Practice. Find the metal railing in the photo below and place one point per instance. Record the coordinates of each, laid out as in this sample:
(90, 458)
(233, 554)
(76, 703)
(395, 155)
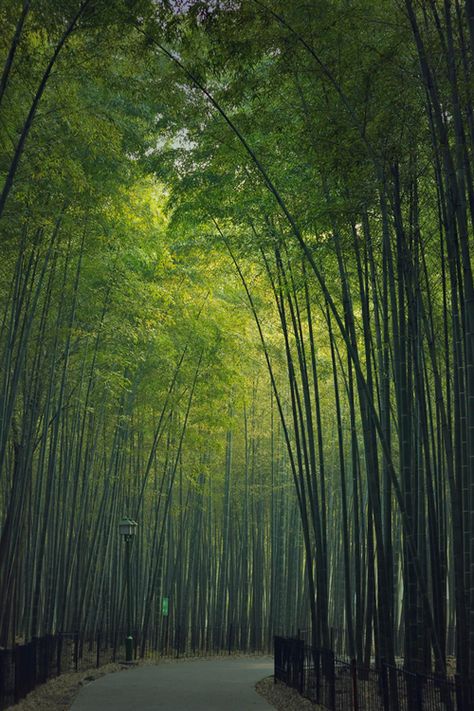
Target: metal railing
(342, 685)
(25, 666)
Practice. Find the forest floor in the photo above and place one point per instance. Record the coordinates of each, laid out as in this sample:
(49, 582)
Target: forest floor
(283, 697)
(59, 693)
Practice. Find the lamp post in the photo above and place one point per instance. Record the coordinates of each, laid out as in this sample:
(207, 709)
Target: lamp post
(128, 529)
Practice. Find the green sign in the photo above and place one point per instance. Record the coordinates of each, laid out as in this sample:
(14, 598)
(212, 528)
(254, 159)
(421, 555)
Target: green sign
(165, 606)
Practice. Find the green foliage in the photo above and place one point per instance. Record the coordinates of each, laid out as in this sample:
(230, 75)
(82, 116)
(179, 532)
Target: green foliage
(202, 198)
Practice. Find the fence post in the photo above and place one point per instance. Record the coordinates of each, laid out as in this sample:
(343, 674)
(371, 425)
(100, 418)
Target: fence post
(76, 650)
(301, 663)
(230, 638)
(97, 660)
(419, 691)
(463, 693)
(50, 654)
(331, 676)
(316, 654)
(59, 649)
(355, 695)
(2, 677)
(275, 655)
(136, 640)
(384, 685)
(16, 665)
(459, 694)
(36, 649)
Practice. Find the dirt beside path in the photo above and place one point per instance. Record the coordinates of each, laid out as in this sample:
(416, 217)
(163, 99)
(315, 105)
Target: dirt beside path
(284, 698)
(59, 693)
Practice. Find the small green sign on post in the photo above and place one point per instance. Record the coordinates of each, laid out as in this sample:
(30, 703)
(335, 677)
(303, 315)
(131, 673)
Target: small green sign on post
(165, 606)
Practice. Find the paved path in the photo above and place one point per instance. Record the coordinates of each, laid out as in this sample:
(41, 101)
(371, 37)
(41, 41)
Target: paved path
(195, 685)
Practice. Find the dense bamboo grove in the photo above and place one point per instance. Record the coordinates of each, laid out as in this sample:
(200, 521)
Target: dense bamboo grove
(237, 304)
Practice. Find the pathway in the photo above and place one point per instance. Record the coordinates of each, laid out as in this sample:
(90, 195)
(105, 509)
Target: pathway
(222, 684)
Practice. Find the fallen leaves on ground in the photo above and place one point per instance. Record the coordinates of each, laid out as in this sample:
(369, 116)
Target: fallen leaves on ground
(283, 697)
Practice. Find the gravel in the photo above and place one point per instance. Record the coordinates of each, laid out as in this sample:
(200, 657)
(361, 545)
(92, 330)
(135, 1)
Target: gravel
(282, 697)
(58, 694)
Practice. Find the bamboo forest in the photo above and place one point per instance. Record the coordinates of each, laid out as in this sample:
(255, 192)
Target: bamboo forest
(237, 314)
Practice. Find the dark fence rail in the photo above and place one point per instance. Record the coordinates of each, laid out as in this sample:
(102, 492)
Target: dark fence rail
(341, 685)
(27, 665)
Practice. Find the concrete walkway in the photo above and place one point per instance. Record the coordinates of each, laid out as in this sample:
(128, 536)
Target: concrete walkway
(222, 684)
